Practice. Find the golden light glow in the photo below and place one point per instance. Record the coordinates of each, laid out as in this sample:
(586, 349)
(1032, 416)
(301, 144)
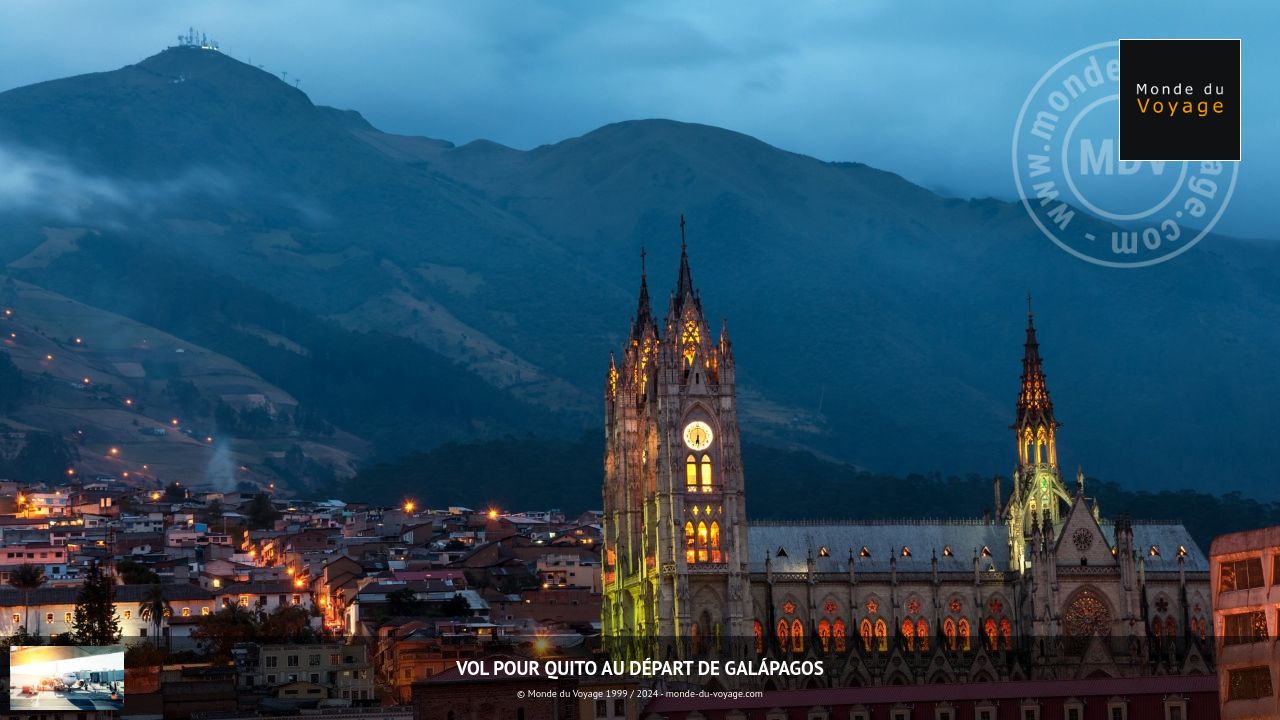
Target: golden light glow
(85, 380)
(541, 645)
(128, 401)
(217, 583)
(290, 571)
(299, 582)
(155, 496)
(174, 422)
(493, 513)
(409, 506)
(115, 451)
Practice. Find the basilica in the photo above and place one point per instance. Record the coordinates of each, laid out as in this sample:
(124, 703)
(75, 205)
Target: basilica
(1048, 587)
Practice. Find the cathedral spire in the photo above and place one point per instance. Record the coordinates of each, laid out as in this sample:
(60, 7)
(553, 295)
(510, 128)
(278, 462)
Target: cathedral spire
(684, 295)
(1034, 405)
(644, 312)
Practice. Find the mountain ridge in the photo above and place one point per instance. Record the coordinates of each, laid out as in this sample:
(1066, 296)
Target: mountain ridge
(875, 321)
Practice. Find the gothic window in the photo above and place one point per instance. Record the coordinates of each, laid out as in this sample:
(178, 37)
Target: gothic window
(797, 636)
(691, 473)
(949, 631)
(788, 608)
(882, 635)
(965, 644)
(1171, 628)
(706, 473)
(922, 635)
(909, 634)
(702, 542)
(1087, 615)
(837, 630)
(695, 641)
(864, 631)
(824, 635)
(784, 633)
(830, 607)
(690, 340)
(913, 606)
(759, 633)
(1006, 633)
(689, 539)
(956, 605)
(991, 633)
(715, 542)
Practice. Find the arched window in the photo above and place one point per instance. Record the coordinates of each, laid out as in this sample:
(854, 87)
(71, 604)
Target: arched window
(797, 636)
(1170, 628)
(1157, 628)
(784, 633)
(882, 635)
(949, 631)
(759, 632)
(689, 550)
(864, 631)
(824, 635)
(909, 634)
(991, 633)
(691, 473)
(837, 629)
(965, 644)
(706, 473)
(922, 635)
(702, 542)
(1006, 632)
(715, 542)
(695, 642)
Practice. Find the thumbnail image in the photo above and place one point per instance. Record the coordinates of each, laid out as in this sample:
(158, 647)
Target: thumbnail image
(66, 678)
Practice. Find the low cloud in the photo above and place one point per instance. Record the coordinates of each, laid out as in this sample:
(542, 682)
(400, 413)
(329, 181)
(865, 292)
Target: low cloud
(35, 182)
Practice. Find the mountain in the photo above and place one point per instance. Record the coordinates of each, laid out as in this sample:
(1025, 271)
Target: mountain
(875, 322)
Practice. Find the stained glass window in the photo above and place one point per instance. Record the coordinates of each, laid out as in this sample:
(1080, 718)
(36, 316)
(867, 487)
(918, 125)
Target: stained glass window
(706, 473)
(784, 633)
(759, 633)
(864, 631)
(691, 473)
(715, 542)
(965, 643)
(830, 607)
(797, 636)
(882, 635)
(837, 629)
(824, 635)
(949, 631)
(909, 635)
(991, 633)
(689, 538)
(1006, 632)
(922, 635)
(702, 542)
(1087, 615)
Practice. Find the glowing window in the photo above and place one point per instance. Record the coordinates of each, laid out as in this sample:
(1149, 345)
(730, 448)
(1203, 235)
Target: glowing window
(882, 635)
(759, 632)
(1006, 632)
(186, 612)
(909, 634)
(706, 473)
(991, 633)
(837, 629)
(784, 633)
(691, 473)
(964, 635)
(715, 542)
(922, 635)
(864, 552)
(824, 635)
(949, 630)
(797, 636)
(702, 542)
(689, 550)
(864, 631)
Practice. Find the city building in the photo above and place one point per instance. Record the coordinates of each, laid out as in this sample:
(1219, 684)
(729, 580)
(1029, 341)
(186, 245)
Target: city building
(1245, 575)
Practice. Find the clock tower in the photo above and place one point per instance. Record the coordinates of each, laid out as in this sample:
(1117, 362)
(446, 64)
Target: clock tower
(675, 564)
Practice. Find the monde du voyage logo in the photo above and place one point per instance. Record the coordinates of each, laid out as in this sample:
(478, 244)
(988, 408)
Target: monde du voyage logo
(1125, 153)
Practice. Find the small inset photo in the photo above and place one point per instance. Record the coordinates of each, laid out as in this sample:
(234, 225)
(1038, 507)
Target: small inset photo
(79, 678)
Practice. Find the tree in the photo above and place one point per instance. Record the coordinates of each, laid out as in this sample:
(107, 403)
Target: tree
(27, 577)
(287, 624)
(155, 609)
(173, 493)
(135, 573)
(214, 511)
(94, 621)
(262, 514)
(219, 632)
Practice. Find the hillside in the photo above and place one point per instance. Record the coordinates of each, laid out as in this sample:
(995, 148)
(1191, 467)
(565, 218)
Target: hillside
(874, 322)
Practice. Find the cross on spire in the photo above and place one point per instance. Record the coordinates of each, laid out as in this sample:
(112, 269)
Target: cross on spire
(682, 244)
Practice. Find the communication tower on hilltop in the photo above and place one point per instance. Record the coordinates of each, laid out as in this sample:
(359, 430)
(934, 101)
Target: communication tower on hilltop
(193, 39)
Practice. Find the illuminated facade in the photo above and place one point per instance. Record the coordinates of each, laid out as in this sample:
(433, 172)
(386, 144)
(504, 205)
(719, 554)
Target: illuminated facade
(675, 565)
(1045, 588)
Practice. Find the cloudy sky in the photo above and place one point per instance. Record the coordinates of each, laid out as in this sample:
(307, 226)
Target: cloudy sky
(926, 89)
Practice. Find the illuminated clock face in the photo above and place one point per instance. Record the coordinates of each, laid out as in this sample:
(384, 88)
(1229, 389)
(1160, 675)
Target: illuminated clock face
(697, 435)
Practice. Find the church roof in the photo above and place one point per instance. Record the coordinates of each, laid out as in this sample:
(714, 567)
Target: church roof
(882, 540)
(1166, 538)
